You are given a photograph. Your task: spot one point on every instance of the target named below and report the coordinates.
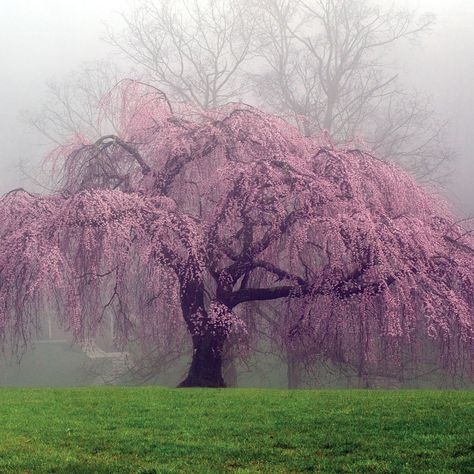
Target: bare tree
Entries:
(327, 64)
(193, 50)
(71, 105)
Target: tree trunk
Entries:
(229, 372)
(293, 370)
(206, 366)
(208, 340)
(229, 367)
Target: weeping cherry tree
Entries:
(186, 219)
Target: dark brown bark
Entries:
(206, 366)
(208, 340)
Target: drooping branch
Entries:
(110, 140)
(221, 208)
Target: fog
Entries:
(42, 41)
(444, 67)
(47, 39)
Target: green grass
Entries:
(155, 430)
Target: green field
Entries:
(148, 430)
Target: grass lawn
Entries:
(155, 430)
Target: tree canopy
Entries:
(185, 219)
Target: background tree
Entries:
(192, 50)
(187, 217)
(329, 63)
(72, 104)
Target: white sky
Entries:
(42, 39)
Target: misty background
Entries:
(47, 40)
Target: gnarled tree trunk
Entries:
(206, 365)
(208, 340)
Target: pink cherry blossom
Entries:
(189, 219)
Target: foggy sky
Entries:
(44, 39)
